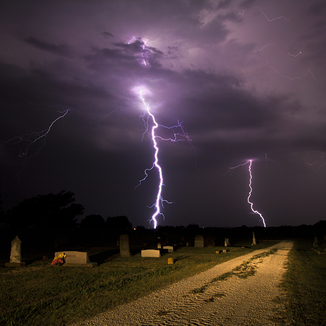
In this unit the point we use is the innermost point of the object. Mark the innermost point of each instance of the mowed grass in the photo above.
(41, 294)
(305, 286)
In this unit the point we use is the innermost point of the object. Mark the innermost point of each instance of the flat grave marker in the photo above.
(76, 259)
(169, 248)
(154, 253)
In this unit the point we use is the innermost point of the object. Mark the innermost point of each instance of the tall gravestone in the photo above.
(124, 245)
(227, 242)
(199, 241)
(253, 239)
(15, 254)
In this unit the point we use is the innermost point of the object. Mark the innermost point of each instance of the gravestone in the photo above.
(151, 253)
(187, 244)
(76, 259)
(15, 254)
(253, 239)
(199, 241)
(210, 241)
(169, 248)
(124, 245)
(227, 242)
(159, 246)
(170, 261)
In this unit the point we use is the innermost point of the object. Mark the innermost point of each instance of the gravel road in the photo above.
(242, 297)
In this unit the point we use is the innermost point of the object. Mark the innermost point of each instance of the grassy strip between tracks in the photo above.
(41, 294)
(305, 287)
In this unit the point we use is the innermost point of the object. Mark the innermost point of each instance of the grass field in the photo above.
(41, 294)
(305, 286)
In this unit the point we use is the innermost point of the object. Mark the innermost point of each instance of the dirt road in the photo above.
(237, 292)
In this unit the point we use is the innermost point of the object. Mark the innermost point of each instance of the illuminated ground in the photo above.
(242, 296)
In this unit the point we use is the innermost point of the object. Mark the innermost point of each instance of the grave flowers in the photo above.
(59, 260)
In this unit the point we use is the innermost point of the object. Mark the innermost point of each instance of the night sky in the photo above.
(246, 78)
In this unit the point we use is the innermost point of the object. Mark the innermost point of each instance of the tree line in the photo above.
(56, 211)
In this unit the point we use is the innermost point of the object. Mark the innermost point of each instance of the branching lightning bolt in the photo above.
(34, 137)
(250, 190)
(294, 55)
(275, 18)
(155, 163)
(153, 136)
(143, 46)
(249, 195)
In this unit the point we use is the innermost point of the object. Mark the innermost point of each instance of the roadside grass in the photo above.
(41, 294)
(304, 285)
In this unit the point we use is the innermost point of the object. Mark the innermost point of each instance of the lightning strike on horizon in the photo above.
(250, 190)
(153, 136)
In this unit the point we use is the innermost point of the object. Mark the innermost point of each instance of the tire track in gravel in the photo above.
(242, 297)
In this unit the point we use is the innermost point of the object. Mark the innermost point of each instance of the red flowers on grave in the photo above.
(59, 260)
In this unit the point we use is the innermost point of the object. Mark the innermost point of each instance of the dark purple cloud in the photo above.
(61, 49)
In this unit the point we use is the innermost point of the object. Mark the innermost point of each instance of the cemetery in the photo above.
(99, 263)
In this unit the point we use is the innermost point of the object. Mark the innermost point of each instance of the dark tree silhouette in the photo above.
(92, 221)
(46, 211)
(2, 214)
(118, 222)
(320, 224)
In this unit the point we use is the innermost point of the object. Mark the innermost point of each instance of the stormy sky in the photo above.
(245, 78)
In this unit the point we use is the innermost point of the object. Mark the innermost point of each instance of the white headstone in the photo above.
(15, 254)
(76, 259)
(16, 251)
(151, 253)
(169, 248)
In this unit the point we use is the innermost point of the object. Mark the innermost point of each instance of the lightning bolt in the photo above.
(294, 55)
(249, 195)
(250, 190)
(143, 47)
(297, 77)
(275, 18)
(34, 137)
(153, 136)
